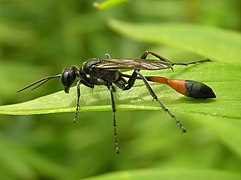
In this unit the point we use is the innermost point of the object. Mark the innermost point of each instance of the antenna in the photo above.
(39, 82)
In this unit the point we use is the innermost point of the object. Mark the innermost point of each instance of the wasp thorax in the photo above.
(68, 77)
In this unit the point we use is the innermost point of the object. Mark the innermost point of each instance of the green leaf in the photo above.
(227, 130)
(211, 42)
(107, 4)
(171, 174)
(24, 162)
(225, 105)
(222, 77)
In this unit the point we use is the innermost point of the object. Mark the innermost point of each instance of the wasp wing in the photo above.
(145, 64)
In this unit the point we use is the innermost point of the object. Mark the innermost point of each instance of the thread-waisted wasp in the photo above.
(107, 72)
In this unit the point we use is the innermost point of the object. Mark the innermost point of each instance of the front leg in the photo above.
(77, 102)
(86, 83)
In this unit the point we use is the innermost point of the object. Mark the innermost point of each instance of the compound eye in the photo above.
(68, 77)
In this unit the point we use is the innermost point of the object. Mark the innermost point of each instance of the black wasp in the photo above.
(107, 72)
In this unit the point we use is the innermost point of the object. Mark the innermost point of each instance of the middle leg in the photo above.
(112, 101)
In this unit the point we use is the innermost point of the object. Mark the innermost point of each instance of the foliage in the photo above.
(39, 38)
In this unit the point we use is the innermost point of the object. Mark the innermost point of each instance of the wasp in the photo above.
(107, 72)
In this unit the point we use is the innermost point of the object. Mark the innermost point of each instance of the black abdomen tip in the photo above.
(198, 90)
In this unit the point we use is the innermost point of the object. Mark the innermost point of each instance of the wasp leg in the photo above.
(159, 56)
(112, 101)
(77, 102)
(192, 62)
(154, 96)
(86, 83)
(177, 63)
(133, 77)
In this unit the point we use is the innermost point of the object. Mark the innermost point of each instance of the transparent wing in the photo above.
(146, 64)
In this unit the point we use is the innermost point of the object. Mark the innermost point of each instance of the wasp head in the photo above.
(68, 77)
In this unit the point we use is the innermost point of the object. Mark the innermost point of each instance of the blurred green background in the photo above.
(39, 38)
